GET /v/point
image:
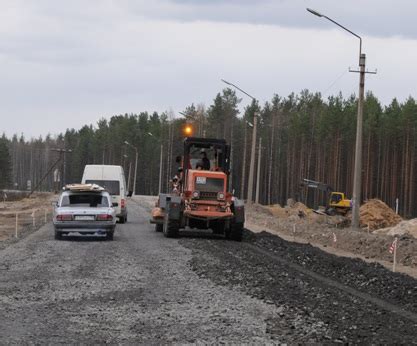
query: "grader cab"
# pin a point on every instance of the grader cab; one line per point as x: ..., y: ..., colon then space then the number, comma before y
x: 200, y: 196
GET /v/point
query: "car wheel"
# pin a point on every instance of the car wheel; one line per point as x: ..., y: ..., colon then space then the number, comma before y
x: 58, y: 235
x: 122, y: 219
x: 159, y: 227
x: 109, y: 235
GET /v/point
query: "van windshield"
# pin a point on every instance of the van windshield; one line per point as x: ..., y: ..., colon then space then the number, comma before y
x: 112, y: 186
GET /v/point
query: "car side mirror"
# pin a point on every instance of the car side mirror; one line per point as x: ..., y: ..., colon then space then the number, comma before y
x: 115, y: 204
x: 54, y: 204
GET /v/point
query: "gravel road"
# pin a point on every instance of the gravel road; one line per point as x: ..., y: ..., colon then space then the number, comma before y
x: 138, y: 288
x: 144, y: 288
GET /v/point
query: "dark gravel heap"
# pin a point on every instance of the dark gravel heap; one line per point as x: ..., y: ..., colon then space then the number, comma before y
x: 313, y: 311
x: 372, y: 278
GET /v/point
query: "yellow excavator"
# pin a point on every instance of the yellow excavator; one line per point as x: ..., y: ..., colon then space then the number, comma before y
x: 336, y: 202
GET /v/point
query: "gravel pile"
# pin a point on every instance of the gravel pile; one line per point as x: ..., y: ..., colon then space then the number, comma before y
x: 313, y: 310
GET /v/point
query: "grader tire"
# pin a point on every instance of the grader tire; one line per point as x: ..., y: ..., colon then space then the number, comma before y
x: 236, y: 231
x: 171, y: 228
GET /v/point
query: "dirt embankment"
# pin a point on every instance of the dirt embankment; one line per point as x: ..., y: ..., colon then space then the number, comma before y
x: 297, y: 222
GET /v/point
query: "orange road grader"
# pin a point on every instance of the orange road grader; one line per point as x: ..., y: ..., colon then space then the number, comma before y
x: 200, y: 196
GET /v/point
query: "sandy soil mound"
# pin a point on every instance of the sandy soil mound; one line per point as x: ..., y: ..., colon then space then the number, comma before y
x: 406, y: 227
x: 376, y: 214
x: 321, y: 231
x: 299, y: 212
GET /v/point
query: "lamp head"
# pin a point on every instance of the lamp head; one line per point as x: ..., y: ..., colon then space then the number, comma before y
x: 188, y: 130
x: 314, y: 12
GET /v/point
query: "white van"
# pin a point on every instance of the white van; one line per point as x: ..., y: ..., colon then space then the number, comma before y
x: 112, y: 178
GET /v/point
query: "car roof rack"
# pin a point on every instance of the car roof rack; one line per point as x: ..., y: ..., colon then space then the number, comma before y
x: 83, y: 187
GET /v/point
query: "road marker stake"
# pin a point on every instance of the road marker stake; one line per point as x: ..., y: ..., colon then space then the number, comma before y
x: 17, y: 225
x: 393, y: 250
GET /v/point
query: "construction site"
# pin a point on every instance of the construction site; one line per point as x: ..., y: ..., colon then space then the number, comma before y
x: 379, y: 225
x: 208, y: 173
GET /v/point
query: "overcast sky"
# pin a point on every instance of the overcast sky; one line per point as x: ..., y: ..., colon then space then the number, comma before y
x: 66, y: 64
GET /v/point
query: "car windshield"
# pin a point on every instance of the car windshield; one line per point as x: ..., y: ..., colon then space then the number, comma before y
x: 85, y: 200
x: 112, y: 186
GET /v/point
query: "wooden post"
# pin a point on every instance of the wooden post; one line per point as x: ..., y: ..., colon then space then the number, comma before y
x: 394, y: 263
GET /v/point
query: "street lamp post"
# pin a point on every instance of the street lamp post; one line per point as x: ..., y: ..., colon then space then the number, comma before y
x: 136, y: 166
x: 242, y: 184
x: 258, y: 172
x: 253, y: 148
x: 357, y: 177
x: 160, y: 164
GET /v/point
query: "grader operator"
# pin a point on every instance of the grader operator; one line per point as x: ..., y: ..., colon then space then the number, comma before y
x: 200, y: 196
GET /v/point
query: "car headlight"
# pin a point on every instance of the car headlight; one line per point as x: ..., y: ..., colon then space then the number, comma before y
x: 220, y: 196
x: 196, y: 194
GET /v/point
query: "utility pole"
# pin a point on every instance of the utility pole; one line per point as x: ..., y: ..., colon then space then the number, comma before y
x: 271, y: 159
x: 128, y: 179
x: 258, y: 173
x: 357, y: 177
x: 252, y: 160
x: 231, y: 158
x: 64, y: 171
x: 160, y: 169
x: 136, y: 166
x: 242, y: 184
x: 253, y: 149
x: 160, y: 162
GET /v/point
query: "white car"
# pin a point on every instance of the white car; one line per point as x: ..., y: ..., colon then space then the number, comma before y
x: 84, y: 209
